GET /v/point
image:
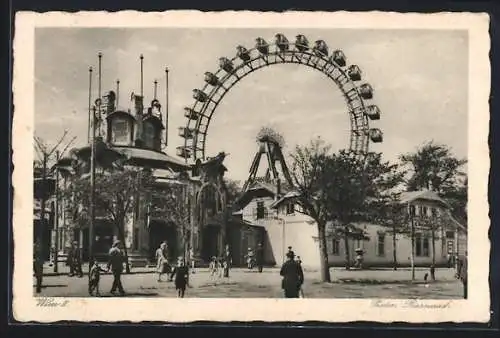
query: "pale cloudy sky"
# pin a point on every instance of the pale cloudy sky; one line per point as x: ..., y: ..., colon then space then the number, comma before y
x: 419, y: 79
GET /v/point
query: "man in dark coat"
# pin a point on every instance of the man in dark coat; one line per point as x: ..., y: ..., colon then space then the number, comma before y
x: 259, y: 257
x: 74, y: 260
x: 38, y: 265
x: 462, y: 272
x: 115, y: 264
x: 293, y: 276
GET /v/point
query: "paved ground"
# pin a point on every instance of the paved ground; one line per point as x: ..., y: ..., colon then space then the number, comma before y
x: 251, y: 284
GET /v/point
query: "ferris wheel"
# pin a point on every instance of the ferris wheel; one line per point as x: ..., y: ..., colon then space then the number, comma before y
x: 348, y: 79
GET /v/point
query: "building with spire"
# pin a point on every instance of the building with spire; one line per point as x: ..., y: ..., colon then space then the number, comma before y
x: 136, y: 137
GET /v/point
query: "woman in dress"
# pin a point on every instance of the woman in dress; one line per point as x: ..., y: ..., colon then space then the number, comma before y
x: 161, y: 260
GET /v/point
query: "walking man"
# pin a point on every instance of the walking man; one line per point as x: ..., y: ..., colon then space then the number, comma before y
x: 259, y: 257
x: 38, y: 265
x: 293, y: 276
x: 462, y: 272
x: 115, y: 264
x: 75, y: 260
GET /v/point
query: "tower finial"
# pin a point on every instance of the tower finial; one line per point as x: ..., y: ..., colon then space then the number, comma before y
x: 142, y: 75
x: 99, y: 55
x: 90, y: 104
x: 117, y: 92
x: 166, y: 106
x: 155, y: 87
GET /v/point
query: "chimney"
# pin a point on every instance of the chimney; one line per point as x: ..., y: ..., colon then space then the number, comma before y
x: 138, y: 100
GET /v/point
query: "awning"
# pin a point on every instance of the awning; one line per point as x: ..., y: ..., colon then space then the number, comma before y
x: 149, y: 155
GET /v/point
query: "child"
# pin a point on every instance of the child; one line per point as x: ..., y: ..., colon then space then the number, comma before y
x: 181, y: 272
x: 220, y: 267
x: 94, y: 278
x: 213, y: 266
x: 225, y: 267
x: 250, y: 259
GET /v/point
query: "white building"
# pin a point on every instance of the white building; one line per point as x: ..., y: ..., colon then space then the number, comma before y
x: 286, y: 226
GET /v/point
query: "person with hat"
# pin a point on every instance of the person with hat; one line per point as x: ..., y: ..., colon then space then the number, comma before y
x: 293, y: 276
x: 115, y: 264
x: 181, y: 273
x: 74, y: 260
x: 259, y: 257
x: 462, y: 272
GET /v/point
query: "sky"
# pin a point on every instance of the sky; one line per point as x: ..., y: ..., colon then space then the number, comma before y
x: 419, y: 77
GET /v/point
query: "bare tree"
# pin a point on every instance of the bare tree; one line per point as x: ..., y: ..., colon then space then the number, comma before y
x: 47, y: 156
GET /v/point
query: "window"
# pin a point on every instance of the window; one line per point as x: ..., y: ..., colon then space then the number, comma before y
x: 335, y: 247
x: 120, y: 131
x: 425, y: 247
x: 418, y: 245
x: 149, y: 135
x: 424, y: 211
x: 261, y: 210
x: 422, y: 247
x: 381, y: 245
x: 290, y: 208
x: 450, y: 234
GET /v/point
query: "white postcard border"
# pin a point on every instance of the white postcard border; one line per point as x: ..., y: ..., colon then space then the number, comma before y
x: 476, y: 308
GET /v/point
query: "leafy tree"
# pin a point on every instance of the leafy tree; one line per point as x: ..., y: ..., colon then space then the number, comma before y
x: 336, y: 188
x: 353, y: 184
x: 117, y: 193
x: 170, y: 202
x: 233, y: 190
x: 433, y: 167
x: 456, y: 196
x: 309, y: 172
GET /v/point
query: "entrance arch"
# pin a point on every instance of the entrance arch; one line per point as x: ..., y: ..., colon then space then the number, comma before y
x: 281, y: 51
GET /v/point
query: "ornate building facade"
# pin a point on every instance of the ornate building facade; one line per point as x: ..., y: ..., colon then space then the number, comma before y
x: 132, y: 139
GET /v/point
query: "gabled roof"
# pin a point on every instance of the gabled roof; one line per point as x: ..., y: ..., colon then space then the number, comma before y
x: 286, y: 197
x: 263, y: 185
x: 422, y: 195
x: 259, y: 189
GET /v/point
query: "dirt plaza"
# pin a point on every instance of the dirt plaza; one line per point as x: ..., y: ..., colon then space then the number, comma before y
x: 383, y: 283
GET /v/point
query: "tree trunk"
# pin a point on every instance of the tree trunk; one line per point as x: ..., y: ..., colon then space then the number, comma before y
x: 121, y: 235
x: 323, y: 252
x: 346, y: 245
x: 394, y: 250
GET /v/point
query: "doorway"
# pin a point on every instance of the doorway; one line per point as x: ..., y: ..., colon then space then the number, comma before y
x: 210, y: 242
x: 161, y: 231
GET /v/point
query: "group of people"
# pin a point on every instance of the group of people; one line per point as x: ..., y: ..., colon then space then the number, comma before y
x: 179, y: 271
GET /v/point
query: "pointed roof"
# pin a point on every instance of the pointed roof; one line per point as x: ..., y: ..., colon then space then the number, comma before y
x: 287, y: 196
x: 422, y: 195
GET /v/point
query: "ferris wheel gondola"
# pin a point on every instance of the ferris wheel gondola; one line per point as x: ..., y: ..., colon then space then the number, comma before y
x: 282, y: 51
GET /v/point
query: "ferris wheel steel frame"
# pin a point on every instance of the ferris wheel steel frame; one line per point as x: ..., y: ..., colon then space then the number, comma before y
x: 231, y: 71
